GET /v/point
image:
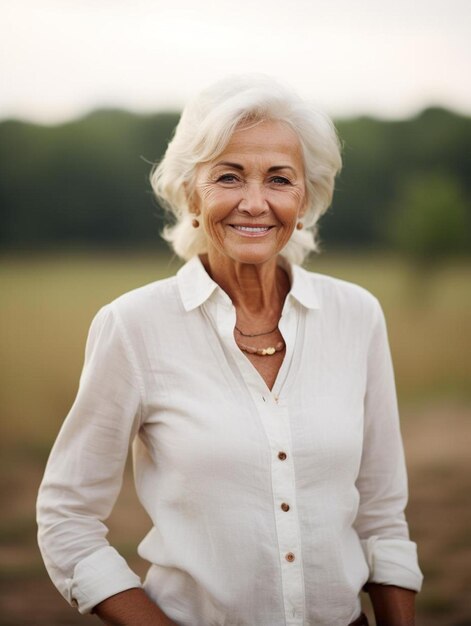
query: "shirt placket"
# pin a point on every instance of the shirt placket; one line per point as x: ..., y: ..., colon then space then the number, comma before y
x: 274, y: 414
x: 273, y: 410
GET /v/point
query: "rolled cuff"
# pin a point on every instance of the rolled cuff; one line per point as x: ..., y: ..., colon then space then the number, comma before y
x: 99, y: 576
x: 393, y: 562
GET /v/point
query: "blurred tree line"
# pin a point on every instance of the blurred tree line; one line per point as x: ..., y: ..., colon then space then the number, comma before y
x: 404, y: 184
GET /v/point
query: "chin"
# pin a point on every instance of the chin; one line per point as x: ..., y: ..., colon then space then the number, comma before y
x: 252, y: 255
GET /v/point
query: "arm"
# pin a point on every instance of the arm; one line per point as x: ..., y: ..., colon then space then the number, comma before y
x: 131, y: 608
x: 393, y: 606
x: 84, y: 472
x: 382, y: 485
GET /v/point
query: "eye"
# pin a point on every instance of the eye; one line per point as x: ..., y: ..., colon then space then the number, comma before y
x: 227, y: 178
x: 280, y: 180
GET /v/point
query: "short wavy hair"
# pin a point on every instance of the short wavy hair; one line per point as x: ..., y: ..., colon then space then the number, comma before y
x: 204, y: 130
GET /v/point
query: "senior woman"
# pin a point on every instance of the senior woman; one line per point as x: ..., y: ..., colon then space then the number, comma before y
x: 259, y: 396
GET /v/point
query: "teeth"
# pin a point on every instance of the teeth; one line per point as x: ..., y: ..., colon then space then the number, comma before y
x: 252, y: 229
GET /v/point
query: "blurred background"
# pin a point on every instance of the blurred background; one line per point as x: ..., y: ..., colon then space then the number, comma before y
x: 89, y: 96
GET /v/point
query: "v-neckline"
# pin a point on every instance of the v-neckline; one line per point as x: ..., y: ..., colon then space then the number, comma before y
x: 247, y: 369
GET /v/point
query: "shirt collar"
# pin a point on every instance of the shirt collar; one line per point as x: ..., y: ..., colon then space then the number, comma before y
x: 196, y: 286
x: 302, y: 285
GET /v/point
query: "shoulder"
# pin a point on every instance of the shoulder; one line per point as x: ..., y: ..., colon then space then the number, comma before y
x: 155, y: 301
x: 343, y: 308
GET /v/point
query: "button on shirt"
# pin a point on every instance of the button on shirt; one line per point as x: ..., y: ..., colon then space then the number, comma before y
x: 268, y: 508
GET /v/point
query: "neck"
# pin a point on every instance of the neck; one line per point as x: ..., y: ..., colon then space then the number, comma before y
x: 253, y: 289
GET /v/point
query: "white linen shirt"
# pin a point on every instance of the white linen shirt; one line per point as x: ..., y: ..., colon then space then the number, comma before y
x: 269, y: 508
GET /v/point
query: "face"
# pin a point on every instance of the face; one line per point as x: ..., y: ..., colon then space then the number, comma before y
x: 251, y: 196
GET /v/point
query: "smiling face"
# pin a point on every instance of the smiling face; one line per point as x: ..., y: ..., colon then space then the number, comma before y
x: 251, y: 196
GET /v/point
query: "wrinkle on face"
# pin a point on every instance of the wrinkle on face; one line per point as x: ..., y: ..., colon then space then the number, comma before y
x: 258, y: 179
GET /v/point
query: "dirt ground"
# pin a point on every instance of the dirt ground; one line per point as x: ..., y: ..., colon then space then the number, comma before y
x: 437, y: 448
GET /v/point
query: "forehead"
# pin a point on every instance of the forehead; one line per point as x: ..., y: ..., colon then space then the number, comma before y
x: 269, y: 139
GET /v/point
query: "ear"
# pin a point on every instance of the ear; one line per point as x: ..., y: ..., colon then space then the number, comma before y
x: 192, y: 199
x: 304, y: 206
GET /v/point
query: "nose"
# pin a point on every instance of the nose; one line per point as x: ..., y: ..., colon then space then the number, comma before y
x: 253, y: 201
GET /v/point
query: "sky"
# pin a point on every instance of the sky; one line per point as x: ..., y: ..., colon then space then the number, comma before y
x: 59, y: 59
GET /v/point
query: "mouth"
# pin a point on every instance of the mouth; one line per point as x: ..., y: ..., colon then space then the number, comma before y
x: 251, y: 231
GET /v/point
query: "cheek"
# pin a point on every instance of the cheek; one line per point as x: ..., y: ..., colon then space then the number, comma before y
x: 216, y: 205
x: 213, y: 212
x: 289, y: 207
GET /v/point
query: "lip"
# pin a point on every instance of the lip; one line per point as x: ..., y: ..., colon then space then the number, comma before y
x: 252, y: 230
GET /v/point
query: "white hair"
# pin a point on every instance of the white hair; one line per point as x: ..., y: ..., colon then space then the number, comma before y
x: 205, y: 128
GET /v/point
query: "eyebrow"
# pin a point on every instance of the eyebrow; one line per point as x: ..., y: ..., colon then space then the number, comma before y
x: 238, y: 166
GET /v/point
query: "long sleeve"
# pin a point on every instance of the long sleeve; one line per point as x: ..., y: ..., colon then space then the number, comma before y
x: 228, y: 471
x: 382, y: 481
x: 84, y: 473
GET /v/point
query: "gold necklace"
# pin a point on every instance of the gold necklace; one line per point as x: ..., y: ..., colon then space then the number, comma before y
x: 269, y: 351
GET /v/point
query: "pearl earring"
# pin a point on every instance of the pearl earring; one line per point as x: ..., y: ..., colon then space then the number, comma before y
x: 195, y: 223
x: 299, y: 226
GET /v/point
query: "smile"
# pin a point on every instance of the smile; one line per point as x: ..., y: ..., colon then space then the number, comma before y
x: 252, y: 231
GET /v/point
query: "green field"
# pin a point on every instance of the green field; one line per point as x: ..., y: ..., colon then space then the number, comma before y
x: 48, y: 303
x: 46, y: 307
